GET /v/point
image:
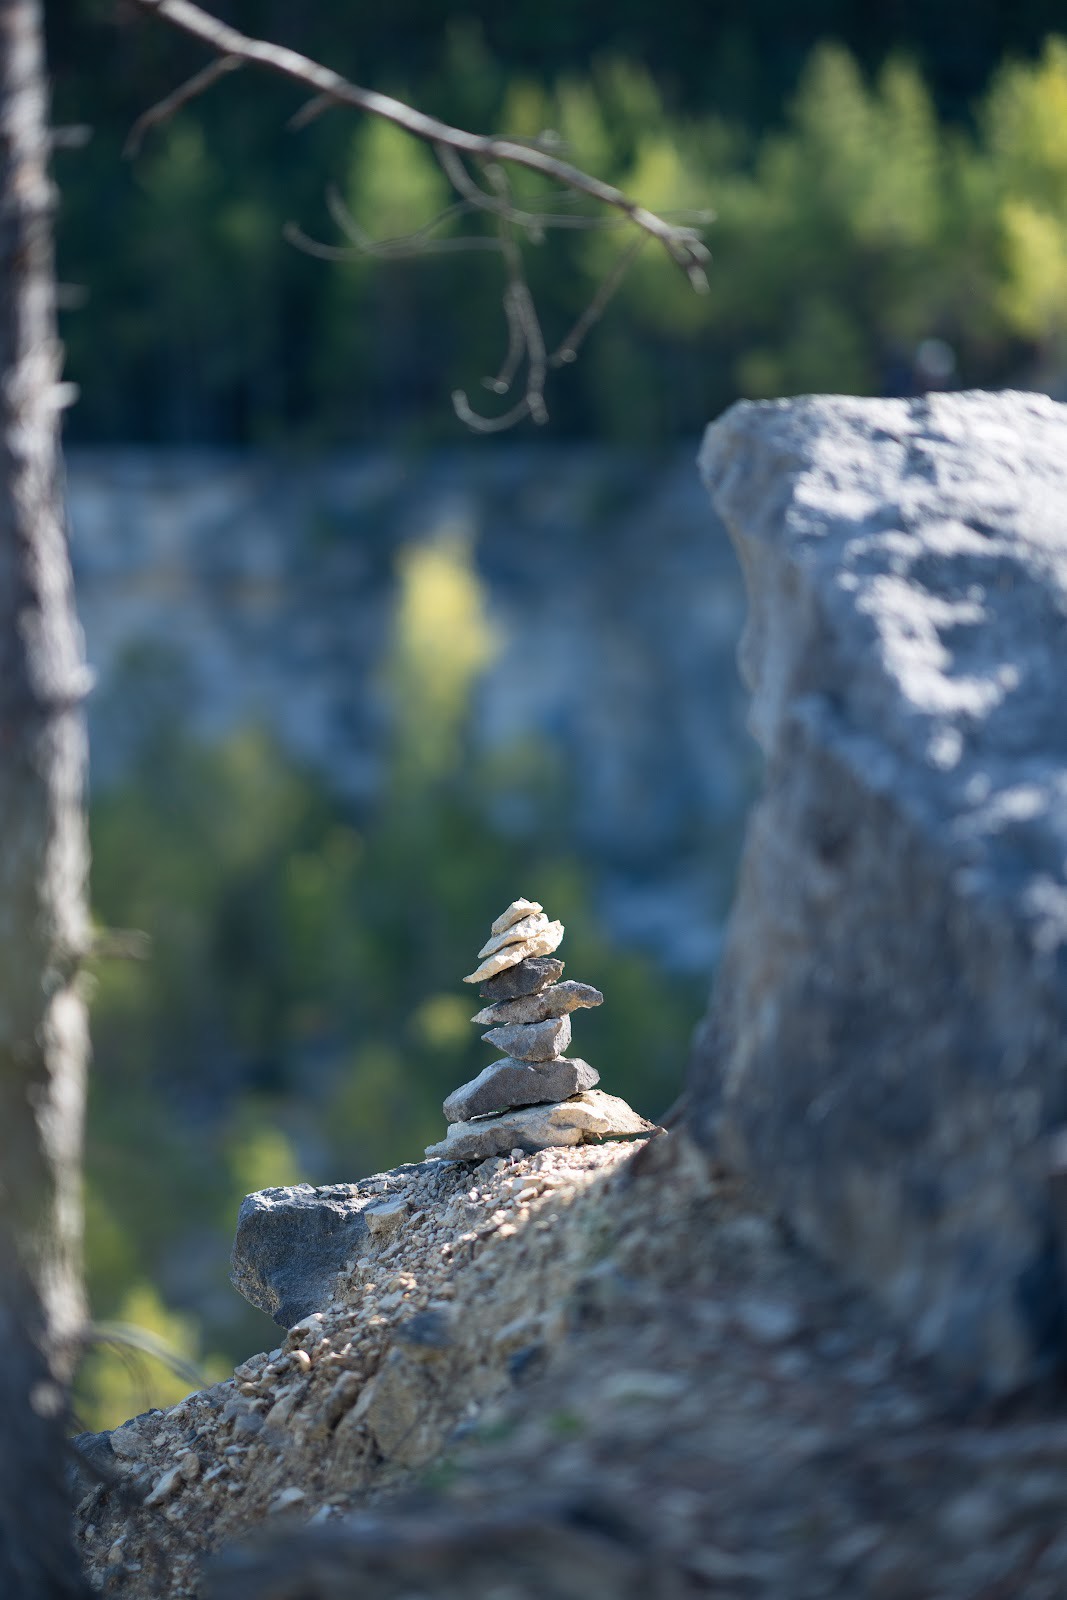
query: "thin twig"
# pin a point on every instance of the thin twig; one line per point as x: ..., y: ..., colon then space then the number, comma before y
x: 567, y: 350
x: 310, y: 110
x: 405, y: 243
x: 682, y: 244
x: 385, y: 249
x: 179, y: 97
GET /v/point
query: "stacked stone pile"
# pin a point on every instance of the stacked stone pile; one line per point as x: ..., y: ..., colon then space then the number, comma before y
x: 535, y: 1096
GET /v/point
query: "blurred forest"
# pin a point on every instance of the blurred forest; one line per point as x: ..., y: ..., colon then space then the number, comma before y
x: 890, y: 191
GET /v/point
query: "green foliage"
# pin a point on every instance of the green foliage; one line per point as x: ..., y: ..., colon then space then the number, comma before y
x: 1024, y: 126
x: 149, y: 1356
x: 851, y: 227
x: 301, y: 1015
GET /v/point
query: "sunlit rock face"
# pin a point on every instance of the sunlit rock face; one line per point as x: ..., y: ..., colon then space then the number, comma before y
x: 886, y: 1048
x: 597, y: 602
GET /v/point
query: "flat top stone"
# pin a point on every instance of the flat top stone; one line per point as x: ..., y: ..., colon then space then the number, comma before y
x: 555, y: 1001
x: 514, y: 913
x: 529, y: 977
x: 541, y: 943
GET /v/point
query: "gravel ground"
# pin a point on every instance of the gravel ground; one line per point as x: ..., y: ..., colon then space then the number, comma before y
x: 599, y: 1371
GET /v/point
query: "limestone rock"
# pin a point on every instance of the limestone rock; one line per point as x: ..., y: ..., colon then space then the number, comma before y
x: 290, y: 1245
x: 515, y: 913
x: 529, y: 977
x: 510, y: 1083
x: 555, y: 1001
x: 592, y: 1115
x: 538, y: 944
x: 525, y: 929
x: 886, y: 1049
x: 532, y: 1041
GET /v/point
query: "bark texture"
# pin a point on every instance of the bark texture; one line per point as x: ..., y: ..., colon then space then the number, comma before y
x: 43, y: 856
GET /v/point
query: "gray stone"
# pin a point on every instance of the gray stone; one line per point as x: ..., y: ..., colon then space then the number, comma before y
x: 540, y: 943
x: 886, y: 1047
x: 529, y: 977
x: 555, y: 1001
x: 532, y: 1041
x: 589, y: 1116
x: 290, y: 1245
x: 509, y: 1083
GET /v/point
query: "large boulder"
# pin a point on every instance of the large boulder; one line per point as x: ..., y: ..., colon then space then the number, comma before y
x: 886, y: 1046
x: 291, y: 1243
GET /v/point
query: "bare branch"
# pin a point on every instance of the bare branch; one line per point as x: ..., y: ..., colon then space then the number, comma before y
x: 505, y: 377
x: 683, y: 244
x: 165, y: 109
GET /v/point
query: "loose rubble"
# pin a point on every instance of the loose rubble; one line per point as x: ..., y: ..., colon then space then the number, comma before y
x: 535, y: 1096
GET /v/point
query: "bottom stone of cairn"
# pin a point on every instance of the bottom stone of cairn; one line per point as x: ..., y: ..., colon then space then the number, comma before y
x: 593, y: 1115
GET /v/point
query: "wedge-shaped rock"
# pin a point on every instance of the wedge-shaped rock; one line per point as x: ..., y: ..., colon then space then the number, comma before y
x: 539, y: 944
x: 515, y: 912
x: 556, y: 1001
x: 529, y: 977
x: 886, y: 1051
x: 524, y: 929
x: 589, y: 1116
x: 532, y: 1041
x: 508, y: 1084
x: 290, y: 1245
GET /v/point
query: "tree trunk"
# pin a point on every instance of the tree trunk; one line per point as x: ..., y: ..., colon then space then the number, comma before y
x: 43, y: 857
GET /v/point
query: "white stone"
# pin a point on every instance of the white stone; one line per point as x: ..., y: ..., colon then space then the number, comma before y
x: 541, y: 944
x: 524, y: 929
x: 516, y: 910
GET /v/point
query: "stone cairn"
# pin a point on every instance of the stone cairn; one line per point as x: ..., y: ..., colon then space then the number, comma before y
x: 535, y: 1096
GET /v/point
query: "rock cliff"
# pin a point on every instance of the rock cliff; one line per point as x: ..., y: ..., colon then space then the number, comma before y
x: 886, y: 1051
